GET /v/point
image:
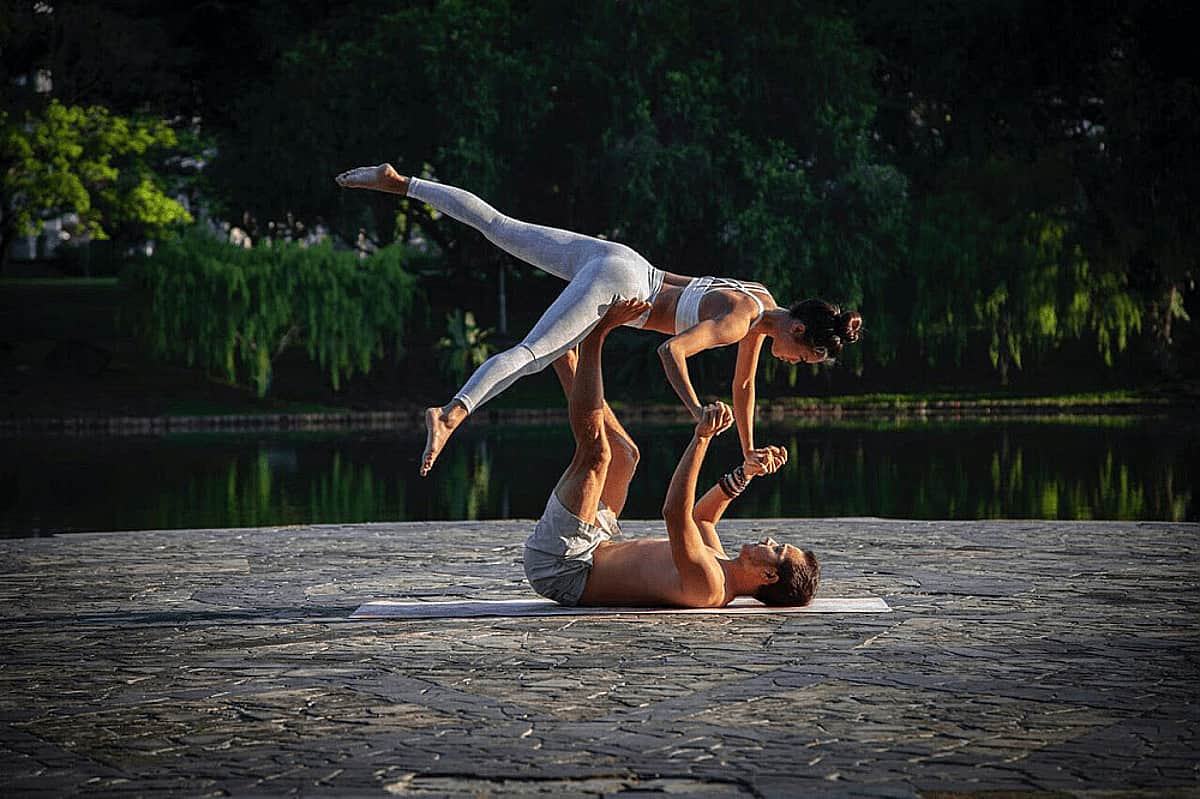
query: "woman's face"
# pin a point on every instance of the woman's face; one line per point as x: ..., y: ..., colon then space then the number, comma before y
x: 788, y: 348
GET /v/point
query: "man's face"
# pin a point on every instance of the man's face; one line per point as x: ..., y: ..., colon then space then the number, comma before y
x: 767, y: 553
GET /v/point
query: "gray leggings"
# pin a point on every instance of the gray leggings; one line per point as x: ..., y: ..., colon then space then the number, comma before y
x: 596, y: 271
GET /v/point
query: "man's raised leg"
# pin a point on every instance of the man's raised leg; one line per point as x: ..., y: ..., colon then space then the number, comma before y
x: 583, y: 483
x: 624, y: 452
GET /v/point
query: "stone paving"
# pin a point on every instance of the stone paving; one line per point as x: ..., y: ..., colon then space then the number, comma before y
x: 1023, y: 658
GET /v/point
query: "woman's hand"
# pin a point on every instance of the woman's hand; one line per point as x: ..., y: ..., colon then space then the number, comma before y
x: 714, y: 420
x: 765, y: 460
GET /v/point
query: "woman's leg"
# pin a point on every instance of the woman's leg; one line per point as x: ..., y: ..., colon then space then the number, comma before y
x: 562, y: 326
x: 559, y: 252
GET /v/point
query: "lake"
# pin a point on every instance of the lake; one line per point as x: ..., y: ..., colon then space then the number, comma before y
x: 1058, y: 468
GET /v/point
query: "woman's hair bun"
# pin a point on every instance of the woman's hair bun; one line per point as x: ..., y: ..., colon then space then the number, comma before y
x: 826, y: 327
x: 848, y: 325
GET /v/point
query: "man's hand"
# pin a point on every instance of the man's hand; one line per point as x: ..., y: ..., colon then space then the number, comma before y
x: 621, y: 311
x: 765, y: 460
x: 714, y: 419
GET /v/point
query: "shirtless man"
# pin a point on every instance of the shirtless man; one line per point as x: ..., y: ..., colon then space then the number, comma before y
x: 570, y: 558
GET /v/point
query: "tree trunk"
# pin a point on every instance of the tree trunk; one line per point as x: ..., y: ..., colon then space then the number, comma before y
x: 1162, y: 311
x: 1168, y: 315
x: 6, y: 240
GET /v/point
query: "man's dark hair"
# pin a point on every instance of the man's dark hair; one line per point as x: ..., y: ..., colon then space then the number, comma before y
x: 799, y: 577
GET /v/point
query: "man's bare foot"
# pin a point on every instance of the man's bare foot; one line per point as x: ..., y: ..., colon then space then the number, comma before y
x: 437, y: 431
x: 379, y: 178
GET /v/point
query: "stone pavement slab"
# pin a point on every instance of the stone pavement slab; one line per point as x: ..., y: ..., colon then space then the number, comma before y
x: 1025, y: 657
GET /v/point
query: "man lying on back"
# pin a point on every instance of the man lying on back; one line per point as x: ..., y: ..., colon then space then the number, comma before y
x: 570, y: 556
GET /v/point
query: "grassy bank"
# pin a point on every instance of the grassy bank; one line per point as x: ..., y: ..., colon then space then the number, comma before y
x: 1115, y: 400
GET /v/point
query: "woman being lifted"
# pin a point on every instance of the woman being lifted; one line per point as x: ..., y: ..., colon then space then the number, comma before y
x: 696, y: 313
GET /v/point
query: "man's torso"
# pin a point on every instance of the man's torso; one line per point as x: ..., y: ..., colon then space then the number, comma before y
x: 643, y: 572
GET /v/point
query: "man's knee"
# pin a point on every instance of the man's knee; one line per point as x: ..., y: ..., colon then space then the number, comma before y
x: 593, y: 451
x: 624, y: 452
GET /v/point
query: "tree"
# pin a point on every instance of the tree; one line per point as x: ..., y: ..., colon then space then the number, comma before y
x: 1090, y: 111
x: 987, y: 181
x: 234, y: 311
x: 710, y: 136
x: 1141, y: 173
x: 88, y: 161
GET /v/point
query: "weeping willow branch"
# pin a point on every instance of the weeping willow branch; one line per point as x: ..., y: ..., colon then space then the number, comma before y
x: 235, y: 311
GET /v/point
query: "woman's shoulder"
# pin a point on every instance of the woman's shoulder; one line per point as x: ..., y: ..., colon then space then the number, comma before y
x: 748, y: 294
x: 757, y: 288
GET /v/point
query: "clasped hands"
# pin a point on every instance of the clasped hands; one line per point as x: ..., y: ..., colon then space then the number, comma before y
x: 717, y: 417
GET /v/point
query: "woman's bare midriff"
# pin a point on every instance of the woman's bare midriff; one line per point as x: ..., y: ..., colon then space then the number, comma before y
x: 662, y: 312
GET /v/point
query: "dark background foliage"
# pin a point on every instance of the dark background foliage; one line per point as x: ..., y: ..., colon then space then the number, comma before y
x: 1005, y: 189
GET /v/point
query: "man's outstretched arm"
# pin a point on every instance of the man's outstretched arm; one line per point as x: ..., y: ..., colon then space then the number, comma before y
x: 692, y: 558
x: 712, y: 505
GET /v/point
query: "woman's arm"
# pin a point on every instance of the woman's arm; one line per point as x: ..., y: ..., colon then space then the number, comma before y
x: 743, y: 389
x: 675, y: 351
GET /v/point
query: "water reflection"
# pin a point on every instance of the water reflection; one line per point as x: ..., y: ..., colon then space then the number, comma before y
x: 1091, y: 469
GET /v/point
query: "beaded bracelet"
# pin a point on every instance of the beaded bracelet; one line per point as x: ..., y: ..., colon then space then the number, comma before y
x: 734, y: 483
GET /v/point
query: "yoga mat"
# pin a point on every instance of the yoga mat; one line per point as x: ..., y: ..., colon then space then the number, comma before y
x: 470, y: 608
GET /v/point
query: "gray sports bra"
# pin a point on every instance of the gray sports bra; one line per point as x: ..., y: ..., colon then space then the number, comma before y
x: 687, y: 307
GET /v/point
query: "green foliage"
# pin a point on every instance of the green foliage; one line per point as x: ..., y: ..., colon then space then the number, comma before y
x: 713, y: 138
x: 1092, y: 117
x: 638, y: 121
x: 464, y: 348
x: 989, y: 206
x: 233, y: 310
x: 990, y: 270
x: 89, y: 161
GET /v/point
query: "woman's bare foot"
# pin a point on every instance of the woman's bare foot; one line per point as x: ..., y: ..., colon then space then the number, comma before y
x: 437, y: 432
x: 379, y: 178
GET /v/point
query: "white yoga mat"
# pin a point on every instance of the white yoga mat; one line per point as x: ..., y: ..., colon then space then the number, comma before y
x: 468, y: 608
